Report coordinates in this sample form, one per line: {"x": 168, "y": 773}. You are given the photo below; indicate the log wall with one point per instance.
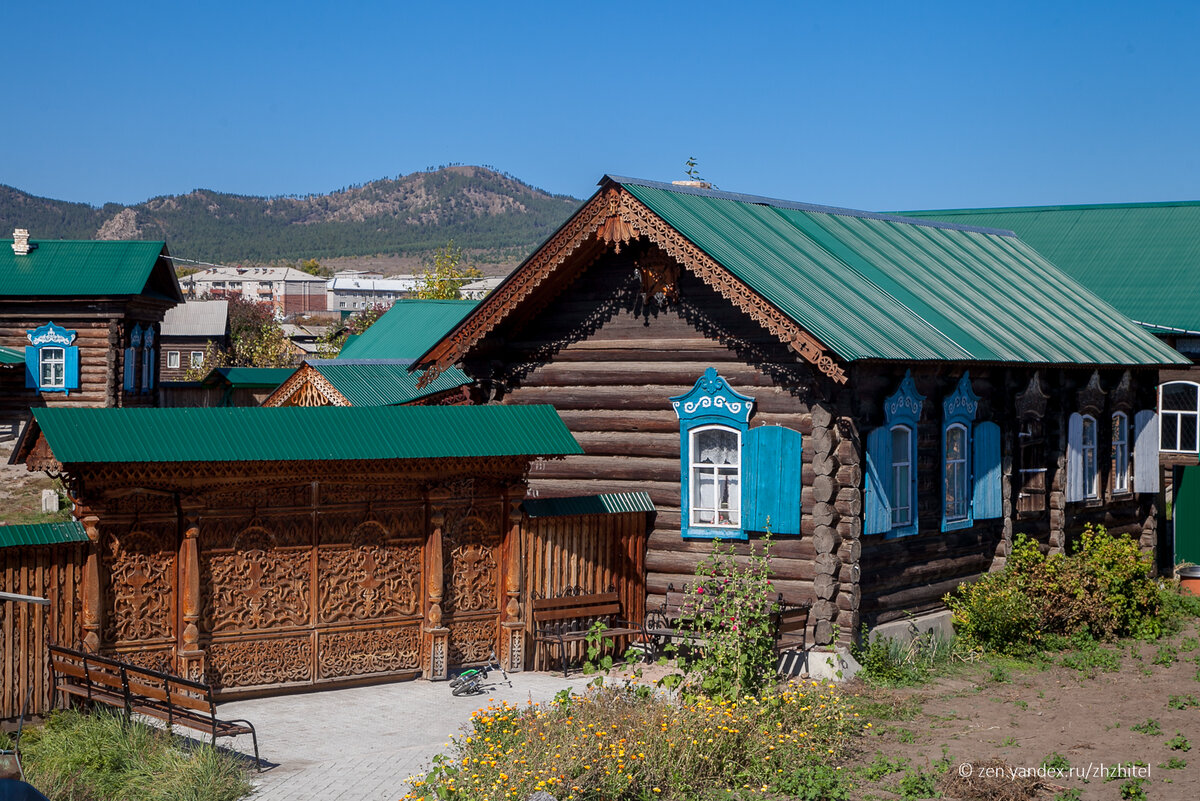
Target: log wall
{"x": 53, "y": 572}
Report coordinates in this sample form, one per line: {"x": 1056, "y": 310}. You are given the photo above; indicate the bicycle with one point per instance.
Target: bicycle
{"x": 470, "y": 682}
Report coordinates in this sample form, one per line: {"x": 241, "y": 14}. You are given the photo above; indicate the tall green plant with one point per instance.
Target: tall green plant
{"x": 729, "y": 614}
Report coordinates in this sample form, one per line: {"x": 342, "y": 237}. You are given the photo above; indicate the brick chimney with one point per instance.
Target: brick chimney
{"x": 21, "y": 244}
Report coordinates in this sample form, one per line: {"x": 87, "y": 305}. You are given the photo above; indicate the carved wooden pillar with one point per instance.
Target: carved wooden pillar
{"x": 513, "y": 627}
{"x": 437, "y": 636}
{"x": 93, "y": 601}
{"x": 191, "y": 655}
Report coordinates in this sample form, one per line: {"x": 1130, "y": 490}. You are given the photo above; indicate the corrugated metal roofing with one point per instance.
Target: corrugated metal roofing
{"x": 301, "y": 433}
{"x": 197, "y": 318}
{"x": 250, "y": 377}
{"x": 1143, "y": 258}
{"x": 42, "y": 534}
{"x": 408, "y": 329}
{"x": 384, "y": 382}
{"x": 604, "y": 504}
{"x": 78, "y": 267}
{"x": 877, "y": 286}
{"x": 11, "y": 356}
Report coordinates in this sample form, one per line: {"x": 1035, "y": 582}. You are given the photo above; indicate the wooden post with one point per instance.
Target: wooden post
{"x": 513, "y": 627}
{"x": 191, "y": 655}
{"x": 92, "y": 600}
{"x": 437, "y": 636}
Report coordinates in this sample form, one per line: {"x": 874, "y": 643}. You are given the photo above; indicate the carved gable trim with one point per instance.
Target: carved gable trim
{"x": 306, "y": 387}
{"x": 617, "y": 218}
{"x": 1091, "y": 397}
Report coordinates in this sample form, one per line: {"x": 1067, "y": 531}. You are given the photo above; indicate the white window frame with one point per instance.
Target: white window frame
{"x": 905, "y": 492}
{"x": 1091, "y": 481}
{"x": 1178, "y": 414}
{"x": 1120, "y": 452}
{"x": 172, "y": 359}
{"x": 695, "y": 468}
{"x": 962, "y": 479}
{"x": 196, "y": 358}
{"x": 51, "y": 357}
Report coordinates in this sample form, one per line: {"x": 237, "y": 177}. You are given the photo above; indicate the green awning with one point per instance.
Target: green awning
{"x": 42, "y": 534}
{"x": 612, "y": 503}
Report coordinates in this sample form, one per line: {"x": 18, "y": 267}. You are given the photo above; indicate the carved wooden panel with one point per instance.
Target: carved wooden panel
{"x": 255, "y": 590}
{"x": 472, "y": 641}
{"x": 222, "y": 533}
{"x": 357, "y": 653}
{"x": 250, "y": 663}
{"x": 471, "y": 569}
{"x": 369, "y": 582}
{"x": 260, "y": 498}
{"x": 140, "y": 565}
{"x": 161, "y": 659}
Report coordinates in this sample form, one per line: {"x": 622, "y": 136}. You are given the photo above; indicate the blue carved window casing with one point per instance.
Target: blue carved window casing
{"x": 958, "y": 416}
{"x": 51, "y": 359}
{"x": 891, "y": 476}
{"x": 734, "y": 479}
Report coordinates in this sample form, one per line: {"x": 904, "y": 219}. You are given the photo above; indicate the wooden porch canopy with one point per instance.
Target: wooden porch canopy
{"x": 274, "y": 548}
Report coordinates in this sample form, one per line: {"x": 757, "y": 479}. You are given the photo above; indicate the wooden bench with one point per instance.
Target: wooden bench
{"x": 177, "y": 701}
{"x": 668, "y": 622}
{"x": 569, "y": 617}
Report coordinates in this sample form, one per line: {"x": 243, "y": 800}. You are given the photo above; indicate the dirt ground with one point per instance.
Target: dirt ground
{"x": 21, "y": 492}
{"x": 1011, "y": 718}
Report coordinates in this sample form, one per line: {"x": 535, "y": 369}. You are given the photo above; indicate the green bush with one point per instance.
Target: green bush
{"x": 1103, "y": 589}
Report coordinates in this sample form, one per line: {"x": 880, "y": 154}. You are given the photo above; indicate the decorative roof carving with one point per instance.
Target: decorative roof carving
{"x": 1032, "y": 402}
{"x": 713, "y": 397}
{"x": 1091, "y": 397}
{"x": 1123, "y": 394}
{"x": 906, "y": 403}
{"x": 963, "y": 403}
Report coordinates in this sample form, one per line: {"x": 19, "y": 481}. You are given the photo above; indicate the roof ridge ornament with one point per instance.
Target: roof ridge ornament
{"x": 614, "y": 229}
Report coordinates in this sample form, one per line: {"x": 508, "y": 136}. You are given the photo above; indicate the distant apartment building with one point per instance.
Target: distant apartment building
{"x": 289, "y": 290}
{"x": 478, "y": 290}
{"x": 188, "y": 330}
{"x": 352, "y": 293}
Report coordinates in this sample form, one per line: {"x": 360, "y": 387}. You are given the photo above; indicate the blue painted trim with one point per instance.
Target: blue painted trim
{"x": 960, "y": 409}
{"x": 51, "y": 336}
{"x": 903, "y": 408}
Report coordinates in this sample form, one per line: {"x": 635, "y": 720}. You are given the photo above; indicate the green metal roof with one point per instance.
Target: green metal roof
{"x": 42, "y": 534}
{"x": 250, "y": 377}
{"x": 386, "y": 382}
{"x": 604, "y": 504}
{"x": 11, "y": 356}
{"x": 1143, "y": 258}
{"x": 218, "y": 434}
{"x": 875, "y": 286}
{"x": 86, "y": 268}
{"x": 408, "y": 329}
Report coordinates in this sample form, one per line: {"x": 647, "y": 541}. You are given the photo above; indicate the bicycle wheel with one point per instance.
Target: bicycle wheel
{"x": 466, "y": 688}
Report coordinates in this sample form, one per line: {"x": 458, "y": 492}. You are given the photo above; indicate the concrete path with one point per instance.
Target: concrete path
{"x": 363, "y": 743}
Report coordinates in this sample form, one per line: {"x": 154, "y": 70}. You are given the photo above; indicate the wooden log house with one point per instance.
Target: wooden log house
{"x": 385, "y": 543}
{"x": 894, "y": 399}
{"x": 79, "y": 323}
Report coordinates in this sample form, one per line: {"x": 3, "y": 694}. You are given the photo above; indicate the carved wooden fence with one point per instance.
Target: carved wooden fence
{"x": 592, "y": 552}
{"x": 48, "y": 571}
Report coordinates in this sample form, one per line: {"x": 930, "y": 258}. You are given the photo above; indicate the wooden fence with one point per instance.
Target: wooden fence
{"x": 49, "y": 571}
{"x": 593, "y": 552}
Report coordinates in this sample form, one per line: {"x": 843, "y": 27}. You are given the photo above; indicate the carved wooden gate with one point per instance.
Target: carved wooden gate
{"x": 295, "y": 600}
{"x": 472, "y": 581}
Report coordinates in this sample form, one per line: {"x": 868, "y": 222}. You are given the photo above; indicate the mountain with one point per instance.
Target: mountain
{"x": 483, "y": 211}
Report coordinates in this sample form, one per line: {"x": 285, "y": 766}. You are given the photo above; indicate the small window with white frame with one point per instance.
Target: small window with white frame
{"x": 52, "y": 367}
{"x": 902, "y": 464}
{"x": 1120, "y": 452}
{"x": 197, "y": 359}
{"x": 957, "y": 478}
{"x": 1091, "y": 473}
{"x": 173, "y": 359}
{"x": 1179, "y": 405}
{"x": 716, "y": 477}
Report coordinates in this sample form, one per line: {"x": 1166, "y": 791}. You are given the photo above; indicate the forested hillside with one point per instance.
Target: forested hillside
{"x": 480, "y": 209}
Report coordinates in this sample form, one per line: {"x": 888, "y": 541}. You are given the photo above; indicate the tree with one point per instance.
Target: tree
{"x": 255, "y": 340}
{"x": 445, "y": 279}
{"x": 331, "y": 342}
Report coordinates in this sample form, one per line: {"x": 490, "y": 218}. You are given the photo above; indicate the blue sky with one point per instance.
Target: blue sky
{"x": 877, "y": 105}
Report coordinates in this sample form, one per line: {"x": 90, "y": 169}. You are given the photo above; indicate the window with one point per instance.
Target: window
{"x": 197, "y": 358}
{"x": 1031, "y": 497}
{"x": 1180, "y": 404}
{"x": 1091, "y": 483}
{"x": 1120, "y": 452}
{"x": 957, "y": 477}
{"x": 173, "y": 359}
{"x": 52, "y": 368}
{"x": 716, "y": 477}
{"x": 901, "y": 489}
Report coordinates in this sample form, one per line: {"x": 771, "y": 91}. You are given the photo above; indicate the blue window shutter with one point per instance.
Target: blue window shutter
{"x": 71, "y": 368}
{"x": 1145, "y": 452}
{"x": 1074, "y": 489}
{"x": 771, "y": 480}
{"x": 31, "y": 367}
{"x": 129, "y": 365}
{"x": 153, "y": 357}
{"x": 877, "y": 510}
{"x": 988, "y": 495}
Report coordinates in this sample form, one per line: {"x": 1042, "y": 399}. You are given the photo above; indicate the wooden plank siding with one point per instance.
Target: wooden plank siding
{"x": 591, "y": 552}
{"x": 53, "y": 572}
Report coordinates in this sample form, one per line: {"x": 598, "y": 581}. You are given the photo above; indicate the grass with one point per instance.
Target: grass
{"x": 78, "y": 757}
{"x": 625, "y": 746}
